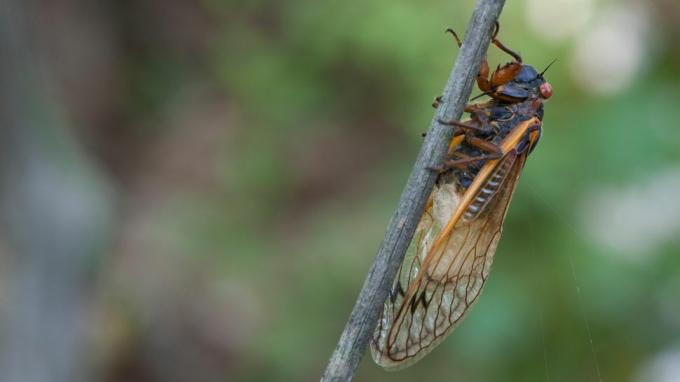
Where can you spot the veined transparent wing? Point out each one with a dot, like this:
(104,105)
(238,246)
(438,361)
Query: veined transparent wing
(441,278)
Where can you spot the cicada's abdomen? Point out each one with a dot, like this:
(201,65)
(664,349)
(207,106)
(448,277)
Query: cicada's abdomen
(489,190)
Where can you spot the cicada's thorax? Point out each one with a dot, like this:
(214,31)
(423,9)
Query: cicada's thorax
(502,118)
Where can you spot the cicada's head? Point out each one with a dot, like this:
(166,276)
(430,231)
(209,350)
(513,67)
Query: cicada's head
(527,84)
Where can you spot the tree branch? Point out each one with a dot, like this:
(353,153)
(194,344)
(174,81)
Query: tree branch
(364,316)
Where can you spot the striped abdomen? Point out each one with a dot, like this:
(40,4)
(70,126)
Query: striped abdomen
(490,188)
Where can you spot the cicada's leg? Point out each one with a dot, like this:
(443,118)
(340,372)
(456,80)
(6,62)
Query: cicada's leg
(471,108)
(457,139)
(438,100)
(483,76)
(509,71)
(455,35)
(491,148)
(485,129)
(463,163)
(475,107)
(483,82)
(504,48)
(462,160)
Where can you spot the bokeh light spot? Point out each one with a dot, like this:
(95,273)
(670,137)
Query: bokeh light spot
(557,20)
(610,54)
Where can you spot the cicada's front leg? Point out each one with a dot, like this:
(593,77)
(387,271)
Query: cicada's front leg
(506,73)
(438,100)
(501,46)
(483,81)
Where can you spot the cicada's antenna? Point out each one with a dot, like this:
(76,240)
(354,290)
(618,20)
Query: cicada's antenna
(546,68)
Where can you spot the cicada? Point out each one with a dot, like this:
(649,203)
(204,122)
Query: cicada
(449,259)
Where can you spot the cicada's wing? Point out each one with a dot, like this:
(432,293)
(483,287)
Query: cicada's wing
(424,306)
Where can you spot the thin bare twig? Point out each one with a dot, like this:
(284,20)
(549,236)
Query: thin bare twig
(364,316)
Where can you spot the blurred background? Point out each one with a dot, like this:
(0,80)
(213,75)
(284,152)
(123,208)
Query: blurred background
(194,190)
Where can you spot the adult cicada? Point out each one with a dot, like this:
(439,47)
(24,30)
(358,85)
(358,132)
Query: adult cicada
(454,244)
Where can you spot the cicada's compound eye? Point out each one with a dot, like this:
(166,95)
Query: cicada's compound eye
(546,90)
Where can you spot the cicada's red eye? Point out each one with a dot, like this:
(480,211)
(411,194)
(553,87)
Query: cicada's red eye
(546,90)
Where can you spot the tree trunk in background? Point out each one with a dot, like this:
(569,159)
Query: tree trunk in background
(55,212)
